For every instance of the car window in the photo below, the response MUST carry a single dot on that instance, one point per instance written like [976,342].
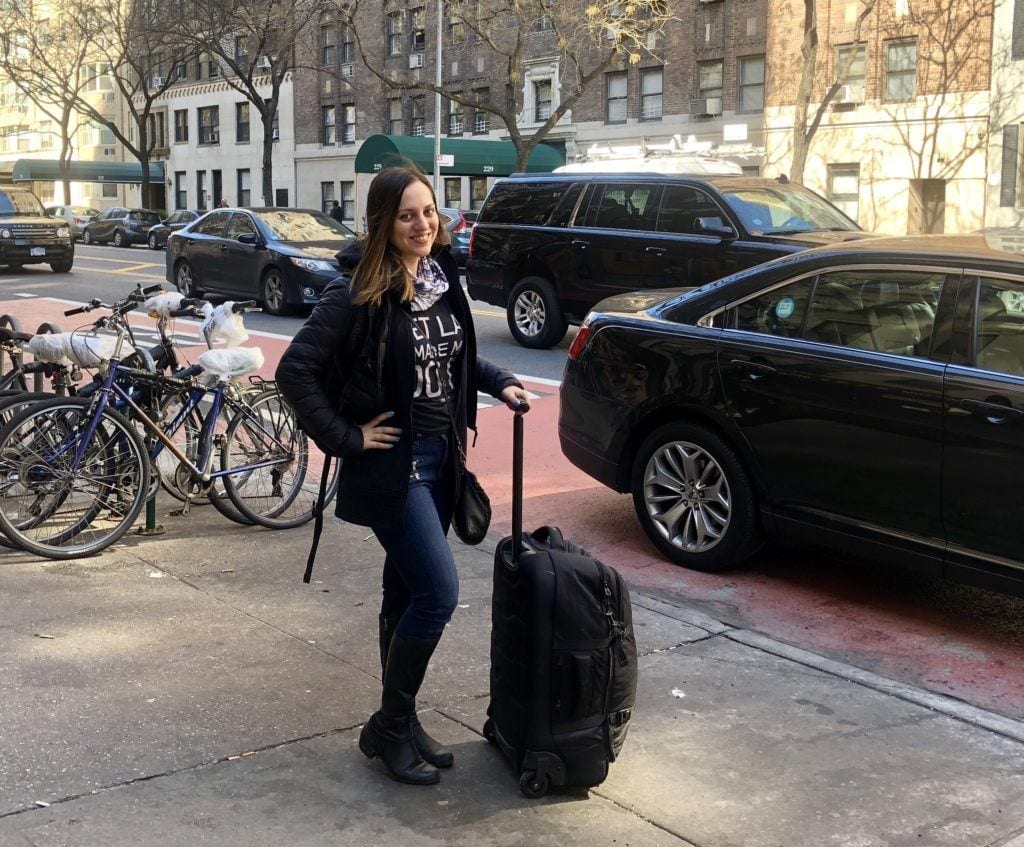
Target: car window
[999,339]
[886,311]
[681,206]
[785,208]
[626,207]
[525,203]
[212,224]
[777,312]
[19,203]
[148,218]
[239,225]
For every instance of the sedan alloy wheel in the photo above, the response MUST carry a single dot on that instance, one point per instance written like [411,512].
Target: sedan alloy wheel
[185,281]
[273,292]
[152,241]
[87,237]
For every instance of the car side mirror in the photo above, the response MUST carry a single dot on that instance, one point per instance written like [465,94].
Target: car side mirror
[714,226]
[249,238]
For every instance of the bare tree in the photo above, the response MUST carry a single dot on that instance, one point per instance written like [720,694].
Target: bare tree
[588,38]
[254,44]
[47,61]
[805,124]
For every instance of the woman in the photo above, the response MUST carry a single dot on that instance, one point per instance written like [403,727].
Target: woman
[385,374]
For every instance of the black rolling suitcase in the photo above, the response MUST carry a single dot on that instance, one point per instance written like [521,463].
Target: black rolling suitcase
[563,655]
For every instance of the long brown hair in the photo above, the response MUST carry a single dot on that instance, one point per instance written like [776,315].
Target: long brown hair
[380,268]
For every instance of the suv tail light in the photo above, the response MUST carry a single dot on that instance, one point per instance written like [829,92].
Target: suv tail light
[472,235]
[579,342]
[461,225]
[79,220]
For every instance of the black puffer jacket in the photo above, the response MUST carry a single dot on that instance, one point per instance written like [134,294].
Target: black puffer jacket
[349,363]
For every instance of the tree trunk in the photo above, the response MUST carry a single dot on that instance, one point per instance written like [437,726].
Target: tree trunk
[809,57]
[267,175]
[65,154]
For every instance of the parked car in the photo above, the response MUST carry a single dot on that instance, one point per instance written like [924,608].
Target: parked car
[172,223]
[123,227]
[75,216]
[867,396]
[28,236]
[459,228]
[546,248]
[282,257]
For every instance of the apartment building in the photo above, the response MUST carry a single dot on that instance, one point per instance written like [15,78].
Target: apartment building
[699,87]
[1004,206]
[903,147]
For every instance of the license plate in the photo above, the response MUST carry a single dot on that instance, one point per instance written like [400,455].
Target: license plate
[37,251]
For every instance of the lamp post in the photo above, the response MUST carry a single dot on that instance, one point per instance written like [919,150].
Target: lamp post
[437,100]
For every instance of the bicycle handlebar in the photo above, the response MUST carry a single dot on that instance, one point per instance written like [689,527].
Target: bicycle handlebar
[243,306]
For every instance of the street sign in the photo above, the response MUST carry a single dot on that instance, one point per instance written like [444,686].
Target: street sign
[446,160]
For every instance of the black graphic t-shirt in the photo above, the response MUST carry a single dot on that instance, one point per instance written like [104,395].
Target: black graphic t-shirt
[437,343]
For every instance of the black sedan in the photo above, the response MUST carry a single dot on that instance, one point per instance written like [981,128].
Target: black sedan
[172,223]
[867,396]
[281,257]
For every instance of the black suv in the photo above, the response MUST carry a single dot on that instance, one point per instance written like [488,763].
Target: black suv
[28,236]
[548,247]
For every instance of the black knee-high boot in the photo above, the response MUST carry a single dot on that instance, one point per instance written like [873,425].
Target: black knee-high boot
[430,749]
[388,733]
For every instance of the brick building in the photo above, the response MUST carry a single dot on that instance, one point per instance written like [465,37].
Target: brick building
[701,86]
[1005,200]
[903,146]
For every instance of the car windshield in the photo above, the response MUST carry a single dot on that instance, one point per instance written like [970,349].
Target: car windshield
[146,217]
[19,203]
[780,209]
[291,225]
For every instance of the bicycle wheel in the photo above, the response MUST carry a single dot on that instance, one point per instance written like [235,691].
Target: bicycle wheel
[57,505]
[283,494]
[10,405]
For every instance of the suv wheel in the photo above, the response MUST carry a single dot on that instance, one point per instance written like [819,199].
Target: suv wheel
[186,281]
[119,239]
[62,267]
[152,242]
[86,237]
[273,292]
[694,498]
[534,314]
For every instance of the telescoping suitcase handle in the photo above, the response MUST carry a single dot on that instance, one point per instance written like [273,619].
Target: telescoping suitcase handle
[517,484]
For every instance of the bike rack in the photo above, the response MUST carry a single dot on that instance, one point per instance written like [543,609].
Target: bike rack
[10,322]
[46,328]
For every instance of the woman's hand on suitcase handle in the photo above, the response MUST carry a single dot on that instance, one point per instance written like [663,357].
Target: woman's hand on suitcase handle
[516,398]
[377,437]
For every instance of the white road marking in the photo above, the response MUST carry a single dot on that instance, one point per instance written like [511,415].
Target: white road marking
[24,294]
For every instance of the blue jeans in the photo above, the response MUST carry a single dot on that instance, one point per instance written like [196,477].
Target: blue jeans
[420,580]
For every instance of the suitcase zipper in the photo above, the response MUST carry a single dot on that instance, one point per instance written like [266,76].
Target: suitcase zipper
[615,627]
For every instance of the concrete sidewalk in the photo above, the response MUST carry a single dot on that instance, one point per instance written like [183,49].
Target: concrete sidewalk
[190,689]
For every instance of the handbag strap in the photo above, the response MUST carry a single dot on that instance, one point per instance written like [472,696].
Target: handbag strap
[460,451]
[318,519]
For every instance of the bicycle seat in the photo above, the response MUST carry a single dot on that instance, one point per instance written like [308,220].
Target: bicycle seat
[8,335]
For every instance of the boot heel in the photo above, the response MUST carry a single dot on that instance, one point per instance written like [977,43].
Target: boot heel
[368,743]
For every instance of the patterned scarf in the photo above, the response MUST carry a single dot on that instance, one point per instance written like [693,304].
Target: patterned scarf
[430,283]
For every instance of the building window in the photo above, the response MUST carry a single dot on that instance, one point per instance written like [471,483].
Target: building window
[651,82]
[453,192]
[481,119]
[96,76]
[201,189]
[858,67]
[750,84]
[844,187]
[456,117]
[348,123]
[328,44]
[395,117]
[180,126]
[1010,166]
[393,29]
[208,67]
[348,46]
[180,191]
[456,32]
[616,94]
[348,201]
[542,100]
[109,189]
[244,181]
[209,125]
[242,123]
[709,89]
[417,30]
[477,191]
[179,70]
[545,24]
[241,55]
[327,197]
[901,70]
[327,125]
[419,116]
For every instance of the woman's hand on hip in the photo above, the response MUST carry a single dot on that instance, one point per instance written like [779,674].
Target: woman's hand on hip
[516,398]
[377,437]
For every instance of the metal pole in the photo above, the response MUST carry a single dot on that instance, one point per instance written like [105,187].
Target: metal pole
[437,101]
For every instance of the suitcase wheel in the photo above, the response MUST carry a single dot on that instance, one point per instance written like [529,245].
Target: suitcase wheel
[532,786]
[489,733]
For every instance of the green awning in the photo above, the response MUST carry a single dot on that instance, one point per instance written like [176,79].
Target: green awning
[469,157]
[45,170]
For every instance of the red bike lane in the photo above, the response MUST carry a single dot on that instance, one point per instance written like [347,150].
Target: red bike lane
[950,639]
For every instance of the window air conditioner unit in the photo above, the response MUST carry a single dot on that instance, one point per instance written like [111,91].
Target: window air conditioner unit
[347,70]
[706,106]
[158,82]
[415,60]
[215,138]
[263,62]
[275,134]
[850,94]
